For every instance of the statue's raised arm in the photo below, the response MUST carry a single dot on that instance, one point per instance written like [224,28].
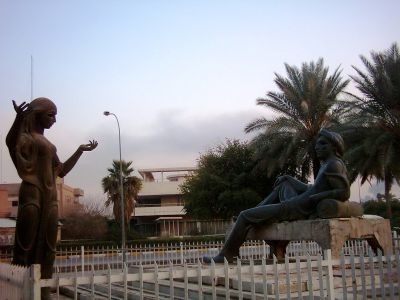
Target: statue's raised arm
[12,136]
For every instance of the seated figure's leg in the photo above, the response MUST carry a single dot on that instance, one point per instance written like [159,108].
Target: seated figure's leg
[282,192]
[236,238]
[266,214]
[272,198]
[287,190]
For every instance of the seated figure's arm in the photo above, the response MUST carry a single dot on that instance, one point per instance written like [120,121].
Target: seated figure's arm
[334,183]
[337,194]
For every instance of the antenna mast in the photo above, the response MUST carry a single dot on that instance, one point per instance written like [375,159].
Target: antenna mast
[31,77]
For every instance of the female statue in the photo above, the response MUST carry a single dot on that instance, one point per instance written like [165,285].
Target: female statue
[292,199]
[37,163]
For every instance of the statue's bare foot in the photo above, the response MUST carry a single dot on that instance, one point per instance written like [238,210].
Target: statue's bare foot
[219,259]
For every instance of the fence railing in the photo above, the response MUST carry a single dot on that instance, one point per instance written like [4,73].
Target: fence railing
[14,282]
[100,258]
[178,253]
[350,277]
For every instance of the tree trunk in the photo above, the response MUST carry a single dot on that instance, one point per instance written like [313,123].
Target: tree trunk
[117,211]
[388,187]
[304,173]
[128,220]
[316,165]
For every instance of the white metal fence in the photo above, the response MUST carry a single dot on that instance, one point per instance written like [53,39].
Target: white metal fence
[99,271]
[14,282]
[164,254]
[350,277]
[100,258]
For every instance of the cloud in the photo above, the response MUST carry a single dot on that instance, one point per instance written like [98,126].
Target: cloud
[369,190]
[173,139]
[176,136]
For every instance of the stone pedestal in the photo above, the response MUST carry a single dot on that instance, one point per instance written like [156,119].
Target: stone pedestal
[328,233]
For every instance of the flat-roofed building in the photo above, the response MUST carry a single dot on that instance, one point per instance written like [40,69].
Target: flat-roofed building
[68,201]
[68,198]
[159,209]
[9,200]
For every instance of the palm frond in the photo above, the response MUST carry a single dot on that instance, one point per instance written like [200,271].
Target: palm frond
[306,102]
[111,186]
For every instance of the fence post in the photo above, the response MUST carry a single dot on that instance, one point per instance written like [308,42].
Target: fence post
[264,250]
[83,259]
[395,239]
[330,289]
[181,249]
[304,249]
[35,282]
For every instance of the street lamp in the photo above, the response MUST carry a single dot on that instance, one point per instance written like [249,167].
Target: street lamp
[107,113]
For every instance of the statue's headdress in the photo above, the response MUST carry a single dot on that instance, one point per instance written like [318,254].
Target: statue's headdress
[41,104]
[336,140]
[36,106]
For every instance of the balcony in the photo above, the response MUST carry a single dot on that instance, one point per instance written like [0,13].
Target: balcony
[157,210]
[160,188]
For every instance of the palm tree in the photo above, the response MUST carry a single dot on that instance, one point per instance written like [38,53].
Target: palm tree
[375,138]
[306,103]
[131,187]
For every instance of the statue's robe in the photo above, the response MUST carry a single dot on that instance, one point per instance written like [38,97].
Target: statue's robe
[38,166]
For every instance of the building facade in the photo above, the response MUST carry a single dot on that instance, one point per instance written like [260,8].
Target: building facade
[159,210]
[68,202]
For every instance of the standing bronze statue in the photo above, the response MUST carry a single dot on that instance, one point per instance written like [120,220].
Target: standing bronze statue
[292,199]
[37,163]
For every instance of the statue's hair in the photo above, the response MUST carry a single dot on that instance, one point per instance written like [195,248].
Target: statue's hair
[335,139]
[41,104]
[35,107]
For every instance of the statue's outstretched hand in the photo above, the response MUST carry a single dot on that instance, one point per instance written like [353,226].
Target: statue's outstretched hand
[88,147]
[20,109]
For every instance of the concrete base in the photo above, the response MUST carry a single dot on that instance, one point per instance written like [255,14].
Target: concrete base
[328,233]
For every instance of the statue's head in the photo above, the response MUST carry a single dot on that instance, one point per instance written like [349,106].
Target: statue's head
[42,104]
[41,112]
[334,139]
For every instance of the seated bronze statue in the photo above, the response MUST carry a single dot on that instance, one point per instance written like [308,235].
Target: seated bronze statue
[292,199]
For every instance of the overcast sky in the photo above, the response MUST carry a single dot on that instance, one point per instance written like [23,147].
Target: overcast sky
[182,76]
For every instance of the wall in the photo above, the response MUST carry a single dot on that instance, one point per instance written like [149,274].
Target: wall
[68,199]
[5,205]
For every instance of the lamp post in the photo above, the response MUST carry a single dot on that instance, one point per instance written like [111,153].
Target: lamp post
[107,113]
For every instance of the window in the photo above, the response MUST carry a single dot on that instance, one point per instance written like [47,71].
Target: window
[149,201]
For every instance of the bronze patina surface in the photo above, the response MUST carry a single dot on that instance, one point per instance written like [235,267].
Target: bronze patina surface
[38,165]
[292,199]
